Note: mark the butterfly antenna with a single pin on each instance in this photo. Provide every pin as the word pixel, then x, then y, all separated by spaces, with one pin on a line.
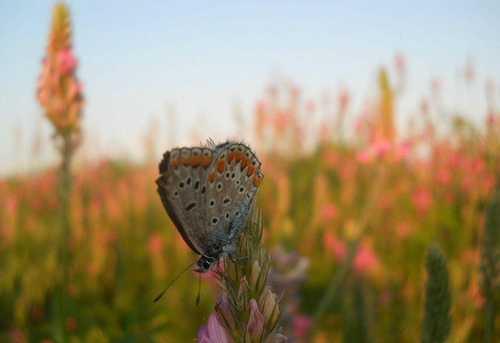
pixel 199 291
pixel 159 296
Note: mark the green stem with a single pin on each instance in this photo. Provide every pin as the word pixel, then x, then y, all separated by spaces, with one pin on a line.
pixel 64 233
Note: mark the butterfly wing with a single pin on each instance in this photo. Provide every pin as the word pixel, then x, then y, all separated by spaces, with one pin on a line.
pixel 233 179
pixel 182 188
pixel 208 193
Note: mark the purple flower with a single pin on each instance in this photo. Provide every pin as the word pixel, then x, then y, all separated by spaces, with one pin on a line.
pixel 213 332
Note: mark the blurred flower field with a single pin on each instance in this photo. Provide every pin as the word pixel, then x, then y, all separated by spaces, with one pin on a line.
pixel 353 183
pixel 396 200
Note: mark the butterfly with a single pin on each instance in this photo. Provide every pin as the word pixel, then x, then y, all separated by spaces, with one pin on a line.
pixel 208 193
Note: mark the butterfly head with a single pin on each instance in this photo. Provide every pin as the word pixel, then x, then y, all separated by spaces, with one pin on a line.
pixel 204 264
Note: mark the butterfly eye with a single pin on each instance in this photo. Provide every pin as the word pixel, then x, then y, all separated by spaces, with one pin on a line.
pixel 227 215
pixel 215 220
pixel 241 189
pixel 206 265
pixel 188 181
pixel 226 201
pixel 203 189
pixel 196 185
pixel 233 175
pixel 181 185
pixel 219 186
pixel 228 175
pixel 211 203
pixel 249 195
pixel 237 182
pixel 190 206
pixel 176 194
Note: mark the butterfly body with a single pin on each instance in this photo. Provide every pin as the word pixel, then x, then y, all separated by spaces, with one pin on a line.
pixel 208 193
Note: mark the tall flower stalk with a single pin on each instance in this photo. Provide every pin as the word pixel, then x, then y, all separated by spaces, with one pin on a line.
pixel 247 309
pixel 60 95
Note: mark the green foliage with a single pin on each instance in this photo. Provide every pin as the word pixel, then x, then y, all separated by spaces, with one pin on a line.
pixel 490 266
pixel 437 321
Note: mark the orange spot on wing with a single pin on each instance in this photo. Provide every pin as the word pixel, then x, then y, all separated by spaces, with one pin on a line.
pixel 230 157
pixel 244 162
pixel 211 177
pixel 256 181
pixel 251 170
pixel 220 166
pixel 196 161
pixel 238 156
pixel 205 161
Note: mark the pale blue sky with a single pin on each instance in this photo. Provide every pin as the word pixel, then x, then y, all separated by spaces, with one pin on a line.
pixel 135 57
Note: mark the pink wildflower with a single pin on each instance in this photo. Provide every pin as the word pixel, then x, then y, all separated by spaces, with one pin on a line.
pixel 329 212
pixel 403 150
pixel 213 332
pixel 422 200
pixel 381 147
pixel 403 230
pixel 443 176
pixel 335 246
pixel 365 260
pixel 155 244
pixel 301 325
pixel 344 99
pixel 365 156
pixel 67 61
pixel 400 63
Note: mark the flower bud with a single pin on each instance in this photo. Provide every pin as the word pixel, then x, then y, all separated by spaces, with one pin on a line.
pixel 270 308
pixel 255 275
pixel 256 321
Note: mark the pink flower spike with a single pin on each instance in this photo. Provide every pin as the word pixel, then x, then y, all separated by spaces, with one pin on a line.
pixel 366 260
pixel 422 200
pixel 381 147
pixel 404 150
pixel 67 61
pixel 335 246
pixel 365 156
pixel 329 211
pixel 213 332
pixel 301 325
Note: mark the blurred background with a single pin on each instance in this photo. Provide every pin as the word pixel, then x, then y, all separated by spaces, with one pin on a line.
pixel 377 124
